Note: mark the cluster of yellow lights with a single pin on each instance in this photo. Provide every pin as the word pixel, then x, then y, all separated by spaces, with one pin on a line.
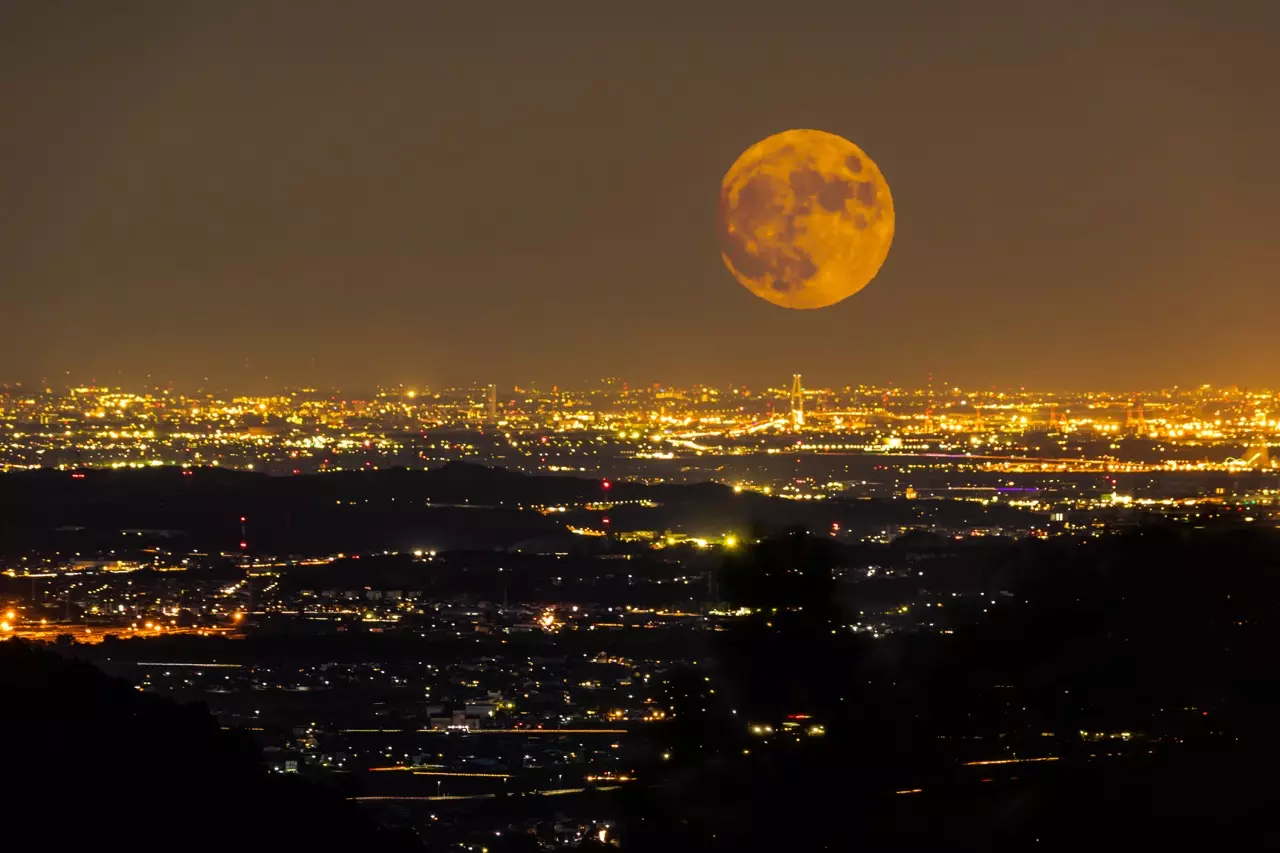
pixel 548 621
pixel 112 428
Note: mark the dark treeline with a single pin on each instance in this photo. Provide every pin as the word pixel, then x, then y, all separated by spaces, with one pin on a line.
pixel 1162 639
pixel 457 506
pixel 88 758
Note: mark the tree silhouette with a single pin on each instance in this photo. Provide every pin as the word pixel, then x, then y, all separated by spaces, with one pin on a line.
pixel 89 756
pixel 1163 638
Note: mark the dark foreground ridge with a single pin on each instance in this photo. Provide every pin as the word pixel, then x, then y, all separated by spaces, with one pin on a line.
pixel 1126 692
pixel 455 507
pixel 91 759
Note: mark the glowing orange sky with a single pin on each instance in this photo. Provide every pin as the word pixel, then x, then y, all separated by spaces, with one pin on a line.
pixel 432 193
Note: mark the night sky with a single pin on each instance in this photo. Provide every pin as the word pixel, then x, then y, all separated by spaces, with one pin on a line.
pixel 361 193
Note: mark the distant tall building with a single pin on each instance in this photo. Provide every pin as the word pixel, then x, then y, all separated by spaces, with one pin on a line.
pixel 928 404
pixel 797 401
pixel 493 402
pixel 1135 420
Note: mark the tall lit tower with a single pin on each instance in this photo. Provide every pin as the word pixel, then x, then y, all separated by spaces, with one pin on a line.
pixel 928 406
pixel 493 402
pixel 1134 421
pixel 797 401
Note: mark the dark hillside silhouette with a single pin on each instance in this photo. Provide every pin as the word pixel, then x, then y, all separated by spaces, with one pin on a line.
pixel 1144 666
pixel 89 757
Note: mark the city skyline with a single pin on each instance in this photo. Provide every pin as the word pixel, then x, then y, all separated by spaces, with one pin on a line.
pixel 348 195
pixel 544 430
pixel 779 382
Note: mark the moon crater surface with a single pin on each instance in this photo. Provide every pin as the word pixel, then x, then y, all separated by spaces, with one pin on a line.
pixel 806 219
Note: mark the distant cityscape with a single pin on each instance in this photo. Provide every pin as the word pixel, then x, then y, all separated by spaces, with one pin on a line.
pixel 436 598
pixel 616 427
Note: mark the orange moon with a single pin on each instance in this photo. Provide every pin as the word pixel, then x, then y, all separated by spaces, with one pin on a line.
pixel 806 219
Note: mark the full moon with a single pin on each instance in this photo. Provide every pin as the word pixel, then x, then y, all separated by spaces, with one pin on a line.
pixel 806 219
